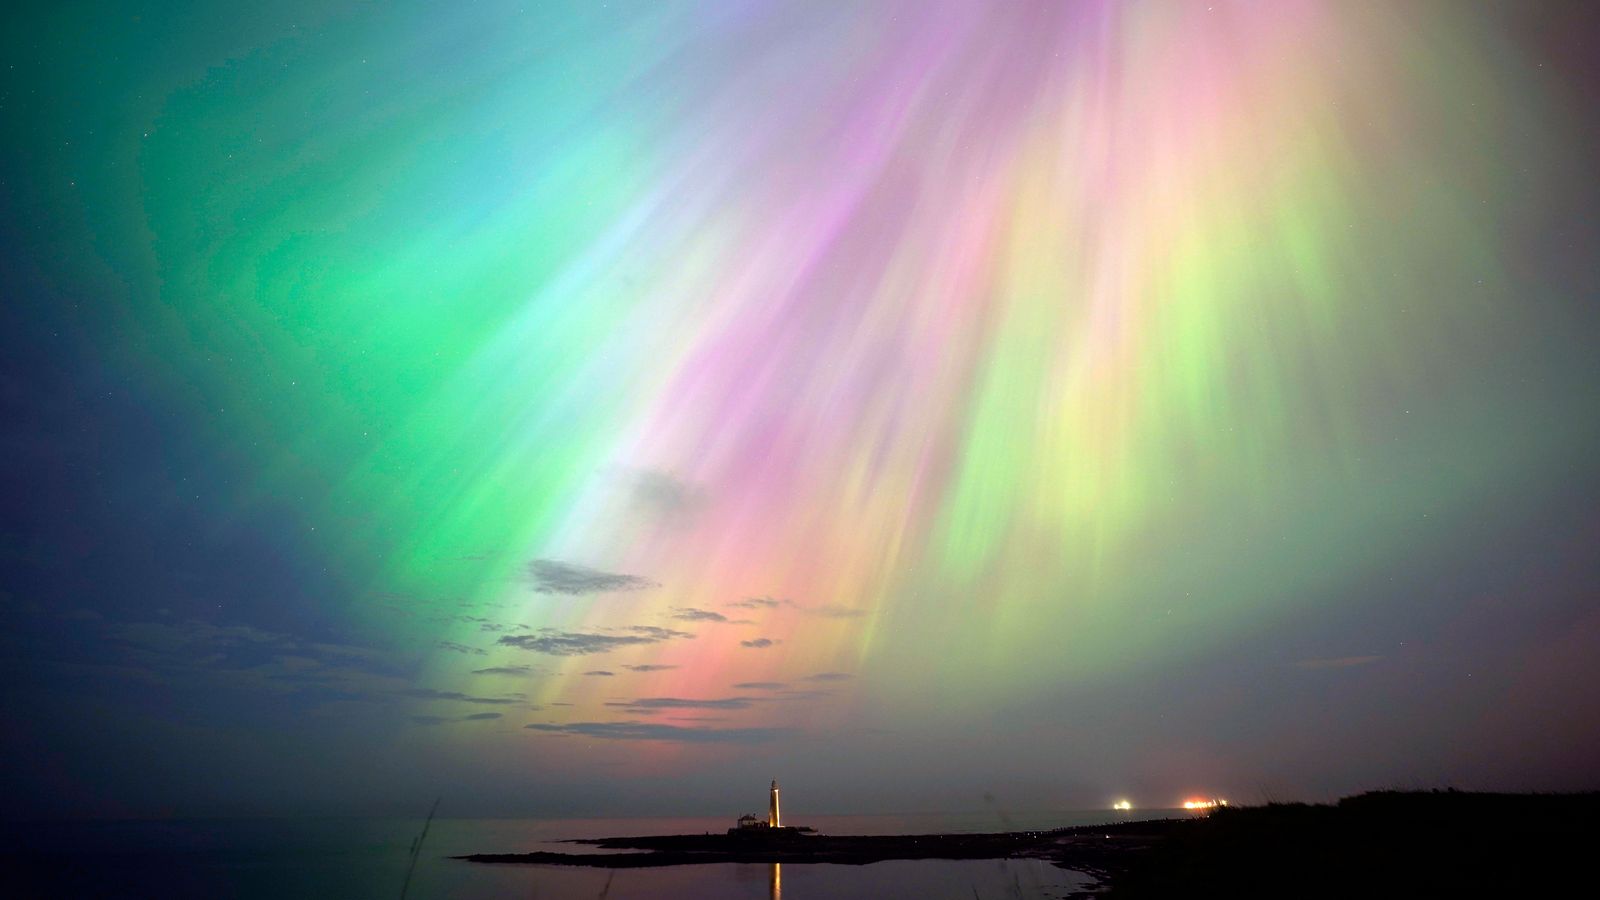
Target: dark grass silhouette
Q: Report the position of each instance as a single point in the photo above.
(416, 849)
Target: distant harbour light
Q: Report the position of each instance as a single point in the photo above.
(1122, 805)
(1211, 803)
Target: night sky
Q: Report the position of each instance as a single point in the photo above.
(604, 408)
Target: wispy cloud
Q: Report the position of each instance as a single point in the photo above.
(760, 686)
(663, 494)
(648, 668)
(314, 671)
(1340, 662)
(829, 676)
(454, 647)
(685, 703)
(802, 695)
(446, 720)
(651, 731)
(833, 611)
(690, 614)
(655, 632)
(550, 576)
(601, 672)
(509, 670)
(174, 636)
(826, 610)
(574, 643)
(758, 643)
(431, 694)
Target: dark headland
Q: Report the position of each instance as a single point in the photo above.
(1392, 844)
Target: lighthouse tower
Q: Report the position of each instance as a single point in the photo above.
(773, 820)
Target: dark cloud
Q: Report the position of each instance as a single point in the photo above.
(187, 636)
(758, 643)
(648, 668)
(690, 614)
(760, 685)
(829, 676)
(664, 495)
(652, 731)
(803, 695)
(508, 670)
(656, 632)
(454, 647)
(446, 720)
(571, 643)
(551, 576)
(601, 672)
(757, 603)
(430, 694)
(685, 703)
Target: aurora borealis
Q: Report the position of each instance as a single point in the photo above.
(594, 407)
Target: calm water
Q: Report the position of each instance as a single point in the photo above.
(367, 858)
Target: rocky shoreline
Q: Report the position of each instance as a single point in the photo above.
(1095, 850)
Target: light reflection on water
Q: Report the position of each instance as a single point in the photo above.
(936, 879)
(362, 858)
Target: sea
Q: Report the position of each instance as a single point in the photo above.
(358, 858)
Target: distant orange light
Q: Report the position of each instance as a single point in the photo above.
(1212, 803)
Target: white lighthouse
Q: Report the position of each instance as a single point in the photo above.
(773, 819)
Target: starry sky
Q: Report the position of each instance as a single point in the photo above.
(603, 408)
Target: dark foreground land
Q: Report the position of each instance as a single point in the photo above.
(1387, 844)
